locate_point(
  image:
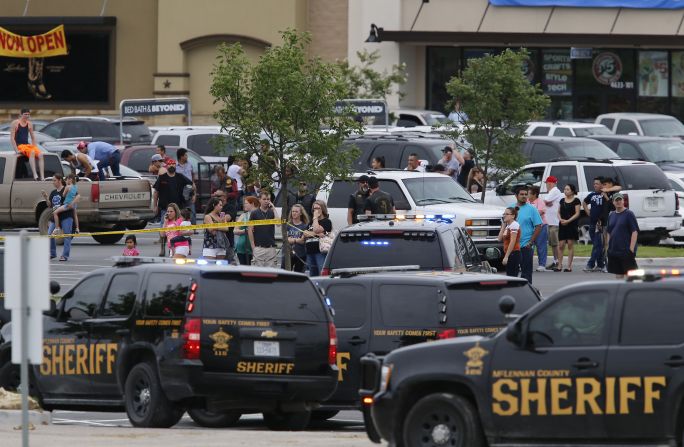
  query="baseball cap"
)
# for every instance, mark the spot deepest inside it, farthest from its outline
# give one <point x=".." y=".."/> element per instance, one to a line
<point x="82" y="145"/>
<point x="551" y="179"/>
<point x="170" y="162"/>
<point x="447" y="149"/>
<point x="156" y="157"/>
<point x="617" y="195"/>
<point x="373" y="182"/>
<point x="363" y="178"/>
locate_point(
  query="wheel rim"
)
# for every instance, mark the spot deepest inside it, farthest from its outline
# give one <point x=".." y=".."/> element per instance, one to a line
<point x="142" y="396"/>
<point x="441" y="426"/>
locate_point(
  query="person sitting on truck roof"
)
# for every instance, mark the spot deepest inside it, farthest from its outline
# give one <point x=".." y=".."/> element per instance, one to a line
<point x="20" y="130"/>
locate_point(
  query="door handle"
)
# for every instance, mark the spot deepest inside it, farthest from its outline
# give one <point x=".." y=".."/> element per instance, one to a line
<point x="675" y="361"/>
<point x="123" y="332"/>
<point x="585" y="363"/>
<point x="357" y="341"/>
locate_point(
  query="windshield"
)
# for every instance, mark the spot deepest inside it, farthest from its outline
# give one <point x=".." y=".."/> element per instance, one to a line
<point x="139" y="132"/>
<point x="386" y="250"/>
<point x="664" y="151"/>
<point x="597" y="130"/>
<point x="435" y="190"/>
<point x="666" y="127"/>
<point x="588" y="149"/>
<point x="433" y="119"/>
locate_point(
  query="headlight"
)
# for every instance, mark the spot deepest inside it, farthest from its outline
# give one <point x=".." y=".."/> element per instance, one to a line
<point x="476" y="223"/>
<point x="385" y="374"/>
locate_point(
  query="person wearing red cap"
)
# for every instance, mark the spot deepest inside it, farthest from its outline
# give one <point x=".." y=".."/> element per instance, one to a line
<point x="552" y="202"/>
<point x="105" y="154"/>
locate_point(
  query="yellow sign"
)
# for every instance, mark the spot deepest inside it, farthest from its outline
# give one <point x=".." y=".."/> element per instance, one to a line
<point x="221" y="340"/>
<point x="78" y="359"/>
<point x="265" y="367"/>
<point x="474" y="363"/>
<point x="52" y="43"/>
<point x="555" y="395"/>
<point x="269" y="334"/>
<point x="341" y="364"/>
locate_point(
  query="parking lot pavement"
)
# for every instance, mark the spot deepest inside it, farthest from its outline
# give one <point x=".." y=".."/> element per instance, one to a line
<point x="71" y="428"/>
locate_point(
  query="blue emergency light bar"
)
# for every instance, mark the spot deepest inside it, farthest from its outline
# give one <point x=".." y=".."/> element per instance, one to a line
<point x="376" y="243"/>
<point x="436" y="217"/>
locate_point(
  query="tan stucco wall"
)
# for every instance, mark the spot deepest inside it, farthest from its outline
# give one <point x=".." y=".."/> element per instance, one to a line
<point x="327" y="22"/>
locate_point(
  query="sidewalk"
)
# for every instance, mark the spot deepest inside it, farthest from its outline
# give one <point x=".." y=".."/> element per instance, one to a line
<point x="580" y="261"/>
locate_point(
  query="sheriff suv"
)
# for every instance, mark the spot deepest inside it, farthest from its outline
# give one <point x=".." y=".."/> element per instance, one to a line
<point x="381" y="309"/>
<point x="599" y="363"/>
<point x="157" y="339"/>
<point x="430" y="242"/>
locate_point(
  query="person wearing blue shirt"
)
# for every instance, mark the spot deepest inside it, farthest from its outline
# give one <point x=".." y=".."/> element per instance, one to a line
<point x="530" y="225"/>
<point x="593" y="206"/>
<point x="106" y="155"/>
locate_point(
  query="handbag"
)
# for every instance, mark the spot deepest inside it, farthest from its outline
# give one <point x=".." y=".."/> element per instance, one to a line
<point x="325" y="241"/>
<point x="312" y="246"/>
<point x="222" y="240"/>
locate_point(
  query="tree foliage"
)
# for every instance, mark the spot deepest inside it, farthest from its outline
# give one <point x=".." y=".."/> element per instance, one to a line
<point x="499" y="102"/>
<point x="288" y="99"/>
<point x="364" y="81"/>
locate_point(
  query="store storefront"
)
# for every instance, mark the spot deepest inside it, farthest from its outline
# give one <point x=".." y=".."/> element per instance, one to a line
<point x="582" y="82"/>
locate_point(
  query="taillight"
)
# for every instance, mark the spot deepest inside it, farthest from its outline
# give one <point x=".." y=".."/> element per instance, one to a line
<point x="192" y="297"/>
<point x="625" y="197"/>
<point x="332" y="344"/>
<point x="446" y="333"/>
<point x="325" y="271"/>
<point x="191" y="339"/>
<point x="95" y="192"/>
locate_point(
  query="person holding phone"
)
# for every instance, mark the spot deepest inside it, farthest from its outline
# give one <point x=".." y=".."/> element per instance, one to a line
<point x="262" y="237"/>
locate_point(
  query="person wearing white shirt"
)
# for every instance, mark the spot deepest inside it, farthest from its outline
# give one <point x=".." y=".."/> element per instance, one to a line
<point x="414" y="164"/>
<point x="552" y="202"/>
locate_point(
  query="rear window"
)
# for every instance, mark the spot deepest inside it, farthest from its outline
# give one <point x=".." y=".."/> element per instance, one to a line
<point x="409" y="305"/>
<point x="139" y="132"/>
<point x="642" y="177"/>
<point x="140" y="159"/>
<point x="168" y="140"/>
<point x="478" y="304"/>
<point x="386" y="250"/>
<point x="211" y="145"/>
<point x="166" y="293"/>
<point x="586" y="131"/>
<point x="243" y="297"/>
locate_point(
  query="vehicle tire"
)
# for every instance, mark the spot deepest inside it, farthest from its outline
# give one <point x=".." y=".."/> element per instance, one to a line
<point x="281" y="421"/>
<point x="109" y="239"/>
<point x="206" y="418"/>
<point x="323" y="415"/>
<point x="44" y="224"/>
<point x="442" y="419"/>
<point x="140" y="225"/>
<point x="145" y="401"/>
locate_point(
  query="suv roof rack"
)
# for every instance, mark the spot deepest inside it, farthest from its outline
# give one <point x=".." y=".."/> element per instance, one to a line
<point x="353" y="271"/>
<point x="590" y="159"/>
<point x="130" y="261"/>
<point x="650" y="275"/>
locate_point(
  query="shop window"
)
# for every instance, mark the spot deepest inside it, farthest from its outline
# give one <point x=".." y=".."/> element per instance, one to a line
<point x="605" y="83"/>
<point x="556" y="81"/>
<point x="442" y="63"/>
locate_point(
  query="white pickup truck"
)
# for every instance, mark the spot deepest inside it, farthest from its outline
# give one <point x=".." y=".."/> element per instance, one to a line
<point x="117" y="203"/>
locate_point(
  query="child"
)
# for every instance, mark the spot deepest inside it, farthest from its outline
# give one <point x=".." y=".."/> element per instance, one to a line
<point x="70" y="199"/>
<point x="180" y="245"/>
<point x="131" y="246"/>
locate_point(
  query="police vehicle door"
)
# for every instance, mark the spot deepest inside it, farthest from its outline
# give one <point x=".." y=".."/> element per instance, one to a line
<point x="110" y="327"/>
<point x="352" y="305"/>
<point x="550" y="385"/>
<point x="646" y="360"/>
<point x="68" y="360"/>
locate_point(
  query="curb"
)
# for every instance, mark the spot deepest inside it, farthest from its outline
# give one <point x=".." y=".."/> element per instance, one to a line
<point x="12" y="418"/>
<point x="581" y="261"/>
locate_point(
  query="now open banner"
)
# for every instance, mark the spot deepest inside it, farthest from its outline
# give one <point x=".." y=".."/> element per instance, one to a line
<point x="636" y="4"/>
<point x="52" y="43"/>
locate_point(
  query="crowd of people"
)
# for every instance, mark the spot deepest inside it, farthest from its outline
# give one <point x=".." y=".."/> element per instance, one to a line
<point x="534" y="222"/>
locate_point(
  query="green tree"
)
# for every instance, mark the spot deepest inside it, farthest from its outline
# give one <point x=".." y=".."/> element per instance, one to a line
<point x="288" y="99"/>
<point x="499" y="102"/>
<point x="364" y="81"/>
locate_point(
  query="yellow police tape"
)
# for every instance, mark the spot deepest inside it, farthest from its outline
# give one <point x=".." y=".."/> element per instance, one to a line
<point x="251" y="223"/>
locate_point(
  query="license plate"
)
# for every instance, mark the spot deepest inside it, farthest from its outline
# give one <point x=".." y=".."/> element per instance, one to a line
<point x="267" y="348"/>
<point x="653" y="203"/>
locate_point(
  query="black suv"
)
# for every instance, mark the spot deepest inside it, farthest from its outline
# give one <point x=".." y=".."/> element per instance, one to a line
<point x="667" y="153"/>
<point x="100" y="128"/>
<point x="159" y="339"/>
<point x="434" y="243"/>
<point x="396" y="148"/>
<point x="543" y="149"/>
<point x="596" y="363"/>
<point x="379" y="312"/>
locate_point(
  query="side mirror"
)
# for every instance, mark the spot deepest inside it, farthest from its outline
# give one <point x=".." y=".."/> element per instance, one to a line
<point x="54" y="287"/>
<point x="53" y="309"/>
<point x="492" y="254"/>
<point x="514" y="333"/>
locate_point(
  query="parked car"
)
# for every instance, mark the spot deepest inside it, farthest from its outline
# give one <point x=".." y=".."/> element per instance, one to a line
<point x="417" y="117"/>
<point x="542" y="149"/>
<point x="395" y="148"/>
<point x="138" y="158"/>
<point x="201" y="139"/>
<point x="667" y="153"/>
<point x="42" y="141"/>
<point x="422" y="193"/>
<point x="100" y="128"/>
<point x="648" y="124"/>
<point x="647" y="191"/>
<point x="565" y="129"/>
<point x="37" y="125"/>
<point x="676" y="179"/>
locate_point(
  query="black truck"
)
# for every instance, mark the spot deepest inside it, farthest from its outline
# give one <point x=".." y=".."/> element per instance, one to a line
<point x="597" y="363"/>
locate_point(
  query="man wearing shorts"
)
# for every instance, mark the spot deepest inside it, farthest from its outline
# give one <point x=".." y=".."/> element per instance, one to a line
<point x="21" y="129"/>
<point x="623" y="231"/>
<point x="552" y="202"/>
